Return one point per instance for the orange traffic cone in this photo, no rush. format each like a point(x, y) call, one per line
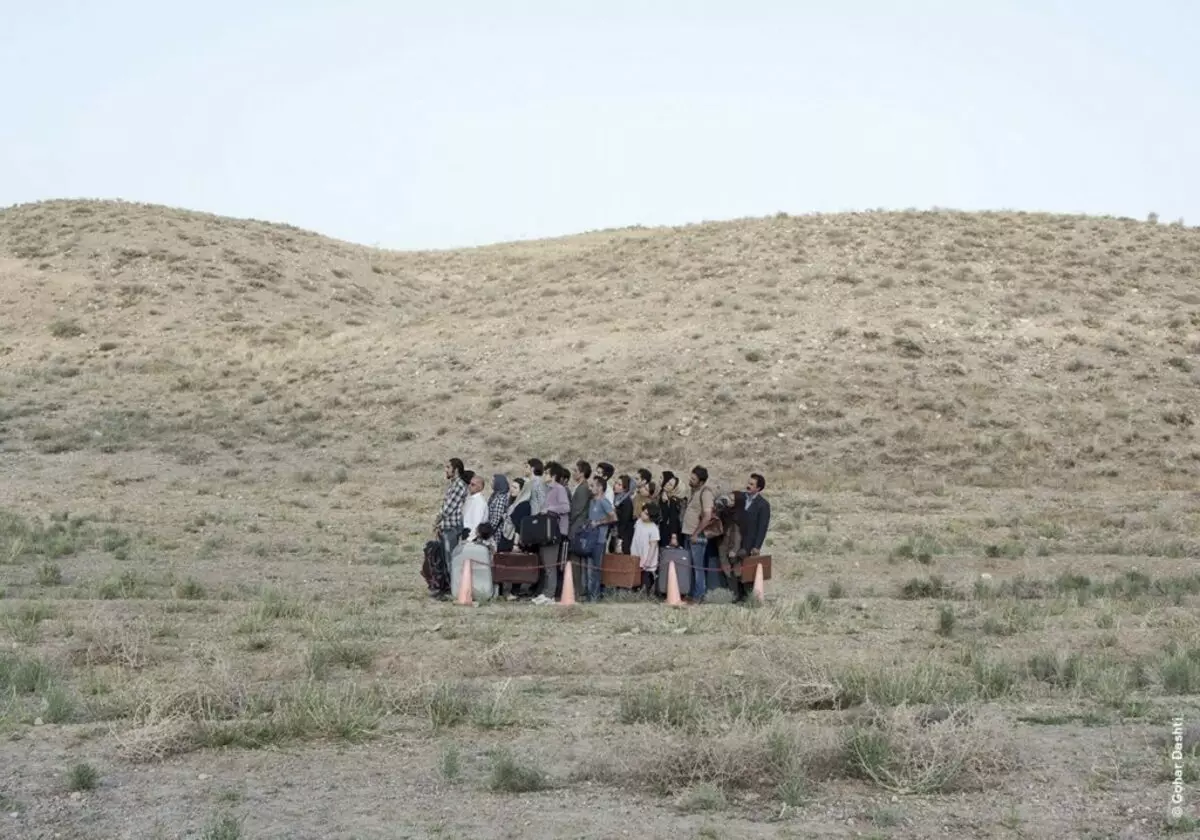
point(466, 595)
point(759, 593)
point(673, 599)
point(568, 589)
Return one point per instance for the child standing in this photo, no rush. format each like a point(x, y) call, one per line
point(645, 545)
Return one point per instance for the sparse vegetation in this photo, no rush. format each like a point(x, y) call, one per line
point(946, 620)
point(931, 587)
point(512, 775)
point(222, 826)
point(49, 574)
point(82, 776)
point(189, 590)
point(451, 763)
point(703, 797)
point(66, 328)
point(903, 754)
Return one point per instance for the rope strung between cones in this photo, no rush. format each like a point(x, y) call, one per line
point(466, 583)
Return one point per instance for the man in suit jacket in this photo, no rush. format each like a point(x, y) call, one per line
point(753, 521)
point(581, 497)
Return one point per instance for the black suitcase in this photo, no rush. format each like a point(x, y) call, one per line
point(539, 529)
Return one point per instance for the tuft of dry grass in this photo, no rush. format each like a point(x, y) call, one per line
point(101, 641)
point(743, 757)
point(158, 738)
point(904, 751)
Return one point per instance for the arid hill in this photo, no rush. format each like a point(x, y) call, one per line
point(961, 348)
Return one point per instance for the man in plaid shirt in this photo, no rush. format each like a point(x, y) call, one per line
point(449, 523)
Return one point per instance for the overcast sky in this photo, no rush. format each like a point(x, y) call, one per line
point(430, 125)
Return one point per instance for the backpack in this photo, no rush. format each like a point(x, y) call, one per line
point(434, 569)
point(584, 541)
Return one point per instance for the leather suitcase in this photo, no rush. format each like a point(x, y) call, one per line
point(750, 563)
point(683, 569)
point(620, 571)
point(540, 529)
point(515, 567)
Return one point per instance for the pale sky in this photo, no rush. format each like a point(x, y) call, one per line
point(432, 125)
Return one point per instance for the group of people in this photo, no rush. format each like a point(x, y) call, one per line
point(577, 515)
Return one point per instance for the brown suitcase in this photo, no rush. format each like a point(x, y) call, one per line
point(515, 567)
point(751, 563)
point(621, 571)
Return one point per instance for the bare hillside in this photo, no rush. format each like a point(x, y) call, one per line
point(964, 348)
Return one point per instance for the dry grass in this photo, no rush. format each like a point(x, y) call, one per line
point(905, 751)
point(221, 450)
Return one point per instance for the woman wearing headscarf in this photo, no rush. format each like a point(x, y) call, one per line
point(510, 533)
point(518, 509)
point(670, 511)
point(497, 508)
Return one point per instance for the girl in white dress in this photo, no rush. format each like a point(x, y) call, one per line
point(645, 545)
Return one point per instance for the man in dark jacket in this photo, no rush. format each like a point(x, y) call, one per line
point(581, 497)
point(753, 520)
